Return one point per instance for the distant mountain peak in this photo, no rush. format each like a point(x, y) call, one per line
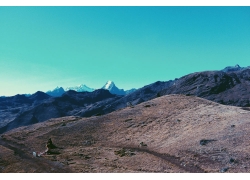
point(58, 91)
point(39, 95)
point(57, 87)
point(109, 85)
point(234, 68)
point(80, 88)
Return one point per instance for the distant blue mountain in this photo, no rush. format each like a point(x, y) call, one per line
point(57, 92)
point(27, 95)
point(234, 68)
point(127, 92)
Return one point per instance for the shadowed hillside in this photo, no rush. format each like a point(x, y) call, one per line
point(230, 88)
point(174, 133)
point(71, 103)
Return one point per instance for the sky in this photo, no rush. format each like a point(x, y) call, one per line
point(43, 47)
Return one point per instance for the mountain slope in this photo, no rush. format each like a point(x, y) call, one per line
point(58, 91)
point(140, 95)
point(231, 88)
point(83, 104)
point(173, 133)
point(110, 85)
point(11, 107)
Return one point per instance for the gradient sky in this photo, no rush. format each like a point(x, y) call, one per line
point(45, 47)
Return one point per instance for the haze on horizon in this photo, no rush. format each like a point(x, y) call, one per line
point(45, 47)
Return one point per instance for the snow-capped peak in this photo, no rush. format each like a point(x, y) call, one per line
point(80, 88)
point(109, 85)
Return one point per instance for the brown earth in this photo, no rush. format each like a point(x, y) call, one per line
point(171, 128)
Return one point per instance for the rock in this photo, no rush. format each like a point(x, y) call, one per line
point(232, 126)
point(50, 146)
point(205, 141)
point(224, 169)
point(232, 160)
point(142, 144)
point(129, 104)
point(88, 143)
point(128, 120)
point(87, 157)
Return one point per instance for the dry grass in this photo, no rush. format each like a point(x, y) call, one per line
point(171, 126)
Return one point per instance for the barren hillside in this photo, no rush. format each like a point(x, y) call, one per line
point(173, 133)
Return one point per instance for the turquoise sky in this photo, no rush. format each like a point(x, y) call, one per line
point(45, 47)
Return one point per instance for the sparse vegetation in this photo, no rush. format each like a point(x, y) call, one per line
point(124, 152)
point(136, 140)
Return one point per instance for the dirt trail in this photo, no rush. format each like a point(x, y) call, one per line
point(39, 163)
point(171, 159)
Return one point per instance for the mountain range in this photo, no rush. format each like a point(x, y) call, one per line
point(229, 86)
point(110, 85)
point(168, 134)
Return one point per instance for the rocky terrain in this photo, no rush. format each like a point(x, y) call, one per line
point(84, 104)
point(11, 107)
point(172, 133)
point(230, 88)
point(70, 103)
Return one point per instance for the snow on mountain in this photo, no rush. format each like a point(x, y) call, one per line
point(80, 88)
point(110, 85)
